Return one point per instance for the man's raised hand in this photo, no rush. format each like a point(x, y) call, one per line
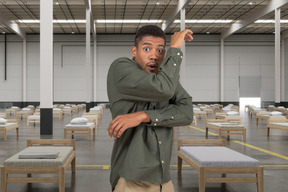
point(178, 38)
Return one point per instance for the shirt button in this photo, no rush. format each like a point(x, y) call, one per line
point(181, 57)
point(156, 119)
point(162, 162)
point(178, 53)
point(172, 117)
point(174, 64)
point(155, 124)
point(160, 142)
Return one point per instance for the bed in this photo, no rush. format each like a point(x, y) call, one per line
point(95, 118)
point(35, 118)
point(12, 110)
point(266, 115)
point(198, 113)
point(277, 122)
point(10, 124)
point(68, 110)
point(15, 166)
point(25, 112)
point(57, 112)
point(79, 129)
point(223, 115)
point(228, 126)
point(210, 158)
point(3, 115)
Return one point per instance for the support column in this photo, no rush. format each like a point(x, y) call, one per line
point(222, 71)
point(283, 70)
point(277, 58)
point(24, 80)
point(95, 66)
point(5, 57)
point(88, 61)
point(183, 65)
point(46, 67)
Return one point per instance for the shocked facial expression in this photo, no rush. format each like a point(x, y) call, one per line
point(149, 53)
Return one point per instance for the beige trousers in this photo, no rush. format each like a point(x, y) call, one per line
point(125, 185)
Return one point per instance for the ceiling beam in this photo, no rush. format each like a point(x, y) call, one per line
point(181, 5)
point(251, 18)
point(87, 4)
point(93, 26)
point(12, 26)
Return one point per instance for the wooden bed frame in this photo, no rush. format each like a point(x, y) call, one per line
point(12, 111)
point(226, 130)
point(58, 170)
point(80, 131)
point(33, 120)
point(276, 119)
point(205, 171)
point(3, 130)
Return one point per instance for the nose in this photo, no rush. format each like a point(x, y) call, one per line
point(153, 55)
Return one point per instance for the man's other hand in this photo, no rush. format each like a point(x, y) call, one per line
point(178, 38)
point(122, 122)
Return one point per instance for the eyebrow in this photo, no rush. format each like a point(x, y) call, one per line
point(160, 45)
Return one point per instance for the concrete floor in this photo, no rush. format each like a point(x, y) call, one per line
point(93, 157)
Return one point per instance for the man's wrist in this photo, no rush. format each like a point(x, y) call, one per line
point(145, 118)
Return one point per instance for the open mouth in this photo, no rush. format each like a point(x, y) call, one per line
point(152, 66)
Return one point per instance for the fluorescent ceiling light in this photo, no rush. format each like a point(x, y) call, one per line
point(160, 21)
point(129, 21)
point(69, 21)
point(205, 21)
point(270, 21)
point(54, 21)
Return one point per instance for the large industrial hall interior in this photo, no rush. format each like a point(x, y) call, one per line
point(55, 99)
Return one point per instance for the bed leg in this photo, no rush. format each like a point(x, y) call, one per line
point(179, 164)
point(223, 185)
point(260, 179)
point(202, 179)
point(61, 179)
point(3, 180)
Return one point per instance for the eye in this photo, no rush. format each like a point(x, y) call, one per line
point(146, 49)
point(159, 50)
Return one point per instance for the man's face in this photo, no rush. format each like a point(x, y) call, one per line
point(150, 53)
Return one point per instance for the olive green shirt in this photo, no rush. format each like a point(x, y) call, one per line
point(143, 153)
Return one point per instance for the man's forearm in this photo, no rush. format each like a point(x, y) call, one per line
point(122, 122)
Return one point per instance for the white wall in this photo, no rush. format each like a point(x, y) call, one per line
point(69, 72)
point(106, 55)
point(202, 72)
point(242, 56)
point(11, 88)
point(33, 71)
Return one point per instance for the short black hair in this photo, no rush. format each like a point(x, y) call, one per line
point(149, 30)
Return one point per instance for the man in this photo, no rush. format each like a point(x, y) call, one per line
point(146, 101)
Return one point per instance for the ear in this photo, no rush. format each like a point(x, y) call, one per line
point(133, 51)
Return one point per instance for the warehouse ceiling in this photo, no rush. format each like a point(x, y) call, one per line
point(126, 16)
